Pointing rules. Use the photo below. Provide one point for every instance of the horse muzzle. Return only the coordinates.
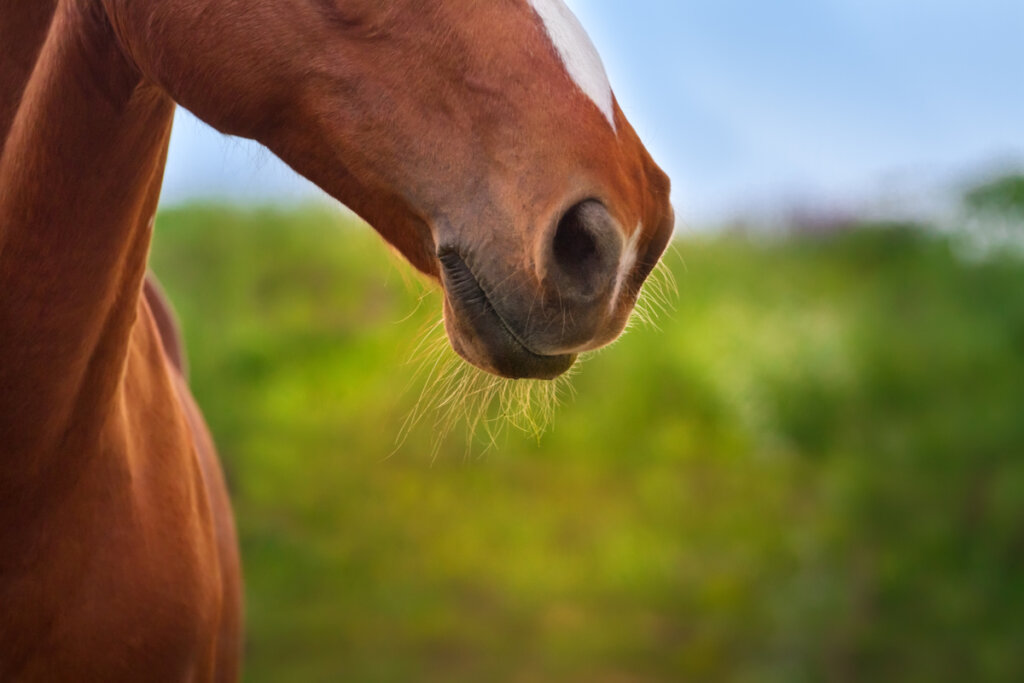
(482, 336)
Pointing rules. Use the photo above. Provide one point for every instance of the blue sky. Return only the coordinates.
(750, 104)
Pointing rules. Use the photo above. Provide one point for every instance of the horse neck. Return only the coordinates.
(22, 32)
(80, 175)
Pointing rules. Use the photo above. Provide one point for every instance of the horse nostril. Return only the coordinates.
(585, 251)
(575, 248)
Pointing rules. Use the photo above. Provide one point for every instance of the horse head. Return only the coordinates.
(480, 138)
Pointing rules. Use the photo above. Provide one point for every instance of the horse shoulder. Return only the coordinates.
(130, 572)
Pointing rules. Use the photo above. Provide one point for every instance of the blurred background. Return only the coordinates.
(811, 469)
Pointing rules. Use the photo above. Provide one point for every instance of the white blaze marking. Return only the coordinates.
(578, 53)
(629, 254)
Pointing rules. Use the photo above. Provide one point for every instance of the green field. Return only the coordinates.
(813, 471)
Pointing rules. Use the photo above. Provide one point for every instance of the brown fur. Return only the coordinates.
(450, 125)
(166, 323)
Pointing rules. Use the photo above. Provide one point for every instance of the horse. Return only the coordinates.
(480, 139)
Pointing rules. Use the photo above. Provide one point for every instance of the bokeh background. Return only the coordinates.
(811, 468)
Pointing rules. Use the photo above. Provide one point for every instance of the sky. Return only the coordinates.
(751, 105)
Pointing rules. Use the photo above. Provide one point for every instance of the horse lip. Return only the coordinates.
(507, 351)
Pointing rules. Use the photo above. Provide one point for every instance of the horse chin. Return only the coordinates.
(480, 338)
(487, 344)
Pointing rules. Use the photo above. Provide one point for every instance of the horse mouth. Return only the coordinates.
(480, 334)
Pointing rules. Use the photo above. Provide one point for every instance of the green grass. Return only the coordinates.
(814, 471)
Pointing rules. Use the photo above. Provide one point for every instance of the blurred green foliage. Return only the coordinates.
(1004, 195)
(814, 471)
